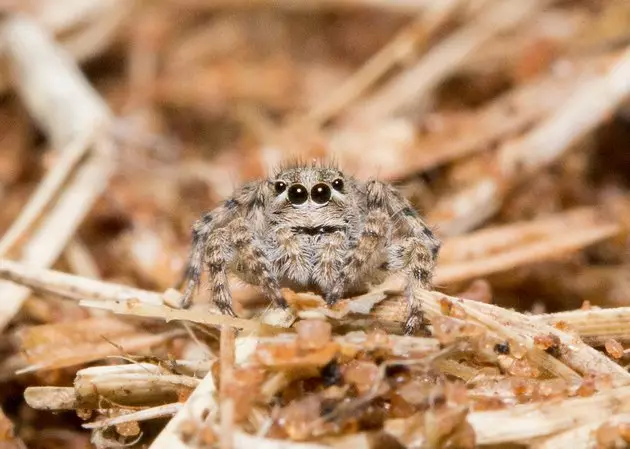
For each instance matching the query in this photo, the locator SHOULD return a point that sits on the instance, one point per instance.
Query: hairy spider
(311, 228)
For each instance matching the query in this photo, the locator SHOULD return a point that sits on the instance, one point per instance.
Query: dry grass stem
(574, 356)
(403, 6)
(74, 21)
(60, 351)
(595, 325)
(46, 190)
(79, 259)
(555, 246)
(417, 82)
(71, 286)
(525, 422)
(525, 155)
(199, 405)
(37, 65)
(137, 308)
(113, 387)
(582, 437)
(226, 403)
(161, 411)
(131, 385)
(52, 398)
(409, 41)
(481, 129)
(504, 123)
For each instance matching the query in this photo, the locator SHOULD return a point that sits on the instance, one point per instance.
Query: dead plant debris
(506, 123)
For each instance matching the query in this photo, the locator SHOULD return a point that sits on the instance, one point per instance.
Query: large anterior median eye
(297, 194)
(320, 193)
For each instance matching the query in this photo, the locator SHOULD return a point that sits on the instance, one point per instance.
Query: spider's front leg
(328, 268)
(374, 236)
(251, 257)
(415, 253)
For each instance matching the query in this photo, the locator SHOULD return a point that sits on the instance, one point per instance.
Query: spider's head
(312, 195)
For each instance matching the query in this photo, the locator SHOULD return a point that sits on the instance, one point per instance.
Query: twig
(226, 403)
(137, 308)
(71, 286)
(47, 80)
(557, 29)
(582, 437)
(90, 24)
(469, 132)
(521, 423)
(595, 326)
(406, 42)
(65, 355)
(58, 17)
(80, 260)
(161, 411)
(132, 385)
(415, 83)
(94, 38)
(52, 398)
(53, 88)
(575, 356)
(47, 189)
(403, 6)
(546, 143)
(123, 299)
(141, 384)
(524, 422)
(537, 251)
(493, 240)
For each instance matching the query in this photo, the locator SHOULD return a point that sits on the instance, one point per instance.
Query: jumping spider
(311, 228)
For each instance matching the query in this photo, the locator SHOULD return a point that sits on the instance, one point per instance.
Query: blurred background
(505, 122)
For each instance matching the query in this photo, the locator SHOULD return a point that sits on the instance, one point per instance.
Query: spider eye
(297, 194)
(338, 184)
(320, 193)
(280, 187)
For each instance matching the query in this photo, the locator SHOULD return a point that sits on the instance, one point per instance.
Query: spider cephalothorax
(311, 228)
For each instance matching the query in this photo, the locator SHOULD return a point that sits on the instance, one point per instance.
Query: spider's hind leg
(218, 258)
(192, 274)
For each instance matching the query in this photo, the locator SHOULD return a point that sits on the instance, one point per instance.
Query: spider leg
(328, 268)
(218, 256)
(374, 236)
(418, 265)
(292, 261)
(415, 253)
(251, 257)
(192, 275)
(249, 197)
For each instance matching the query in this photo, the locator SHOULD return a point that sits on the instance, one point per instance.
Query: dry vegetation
(506, 122)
